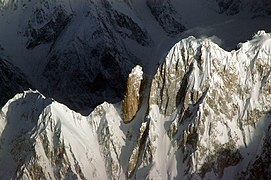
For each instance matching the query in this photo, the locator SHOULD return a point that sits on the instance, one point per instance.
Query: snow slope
(47, 140)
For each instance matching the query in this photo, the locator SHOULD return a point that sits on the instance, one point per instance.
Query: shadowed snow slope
(12, 81)
(207, 117)
(81, 52)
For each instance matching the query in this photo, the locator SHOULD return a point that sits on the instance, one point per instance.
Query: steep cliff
(133, 96)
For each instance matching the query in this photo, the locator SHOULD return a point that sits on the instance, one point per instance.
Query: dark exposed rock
(233, 7)
(230, 7)
(223, 157)
(50, 31)
(166, 16)
(135, 32)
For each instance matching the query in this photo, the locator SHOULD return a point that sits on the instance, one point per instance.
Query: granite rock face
(132, 99)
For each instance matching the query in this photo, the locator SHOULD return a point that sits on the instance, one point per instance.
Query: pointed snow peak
(263, 40)
(27, 100)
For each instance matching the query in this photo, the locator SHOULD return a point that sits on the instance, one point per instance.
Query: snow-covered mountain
(204, 115)
(213, 108)
(118, 98)
(81, 52)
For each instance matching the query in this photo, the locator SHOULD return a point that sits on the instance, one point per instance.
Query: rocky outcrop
(261, 8)
(233, 7)
(230, 7)
(166, 16)
(45, 28)
(132, 99)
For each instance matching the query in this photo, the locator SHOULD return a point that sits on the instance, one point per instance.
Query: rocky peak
(215, 104)
(132, 99)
